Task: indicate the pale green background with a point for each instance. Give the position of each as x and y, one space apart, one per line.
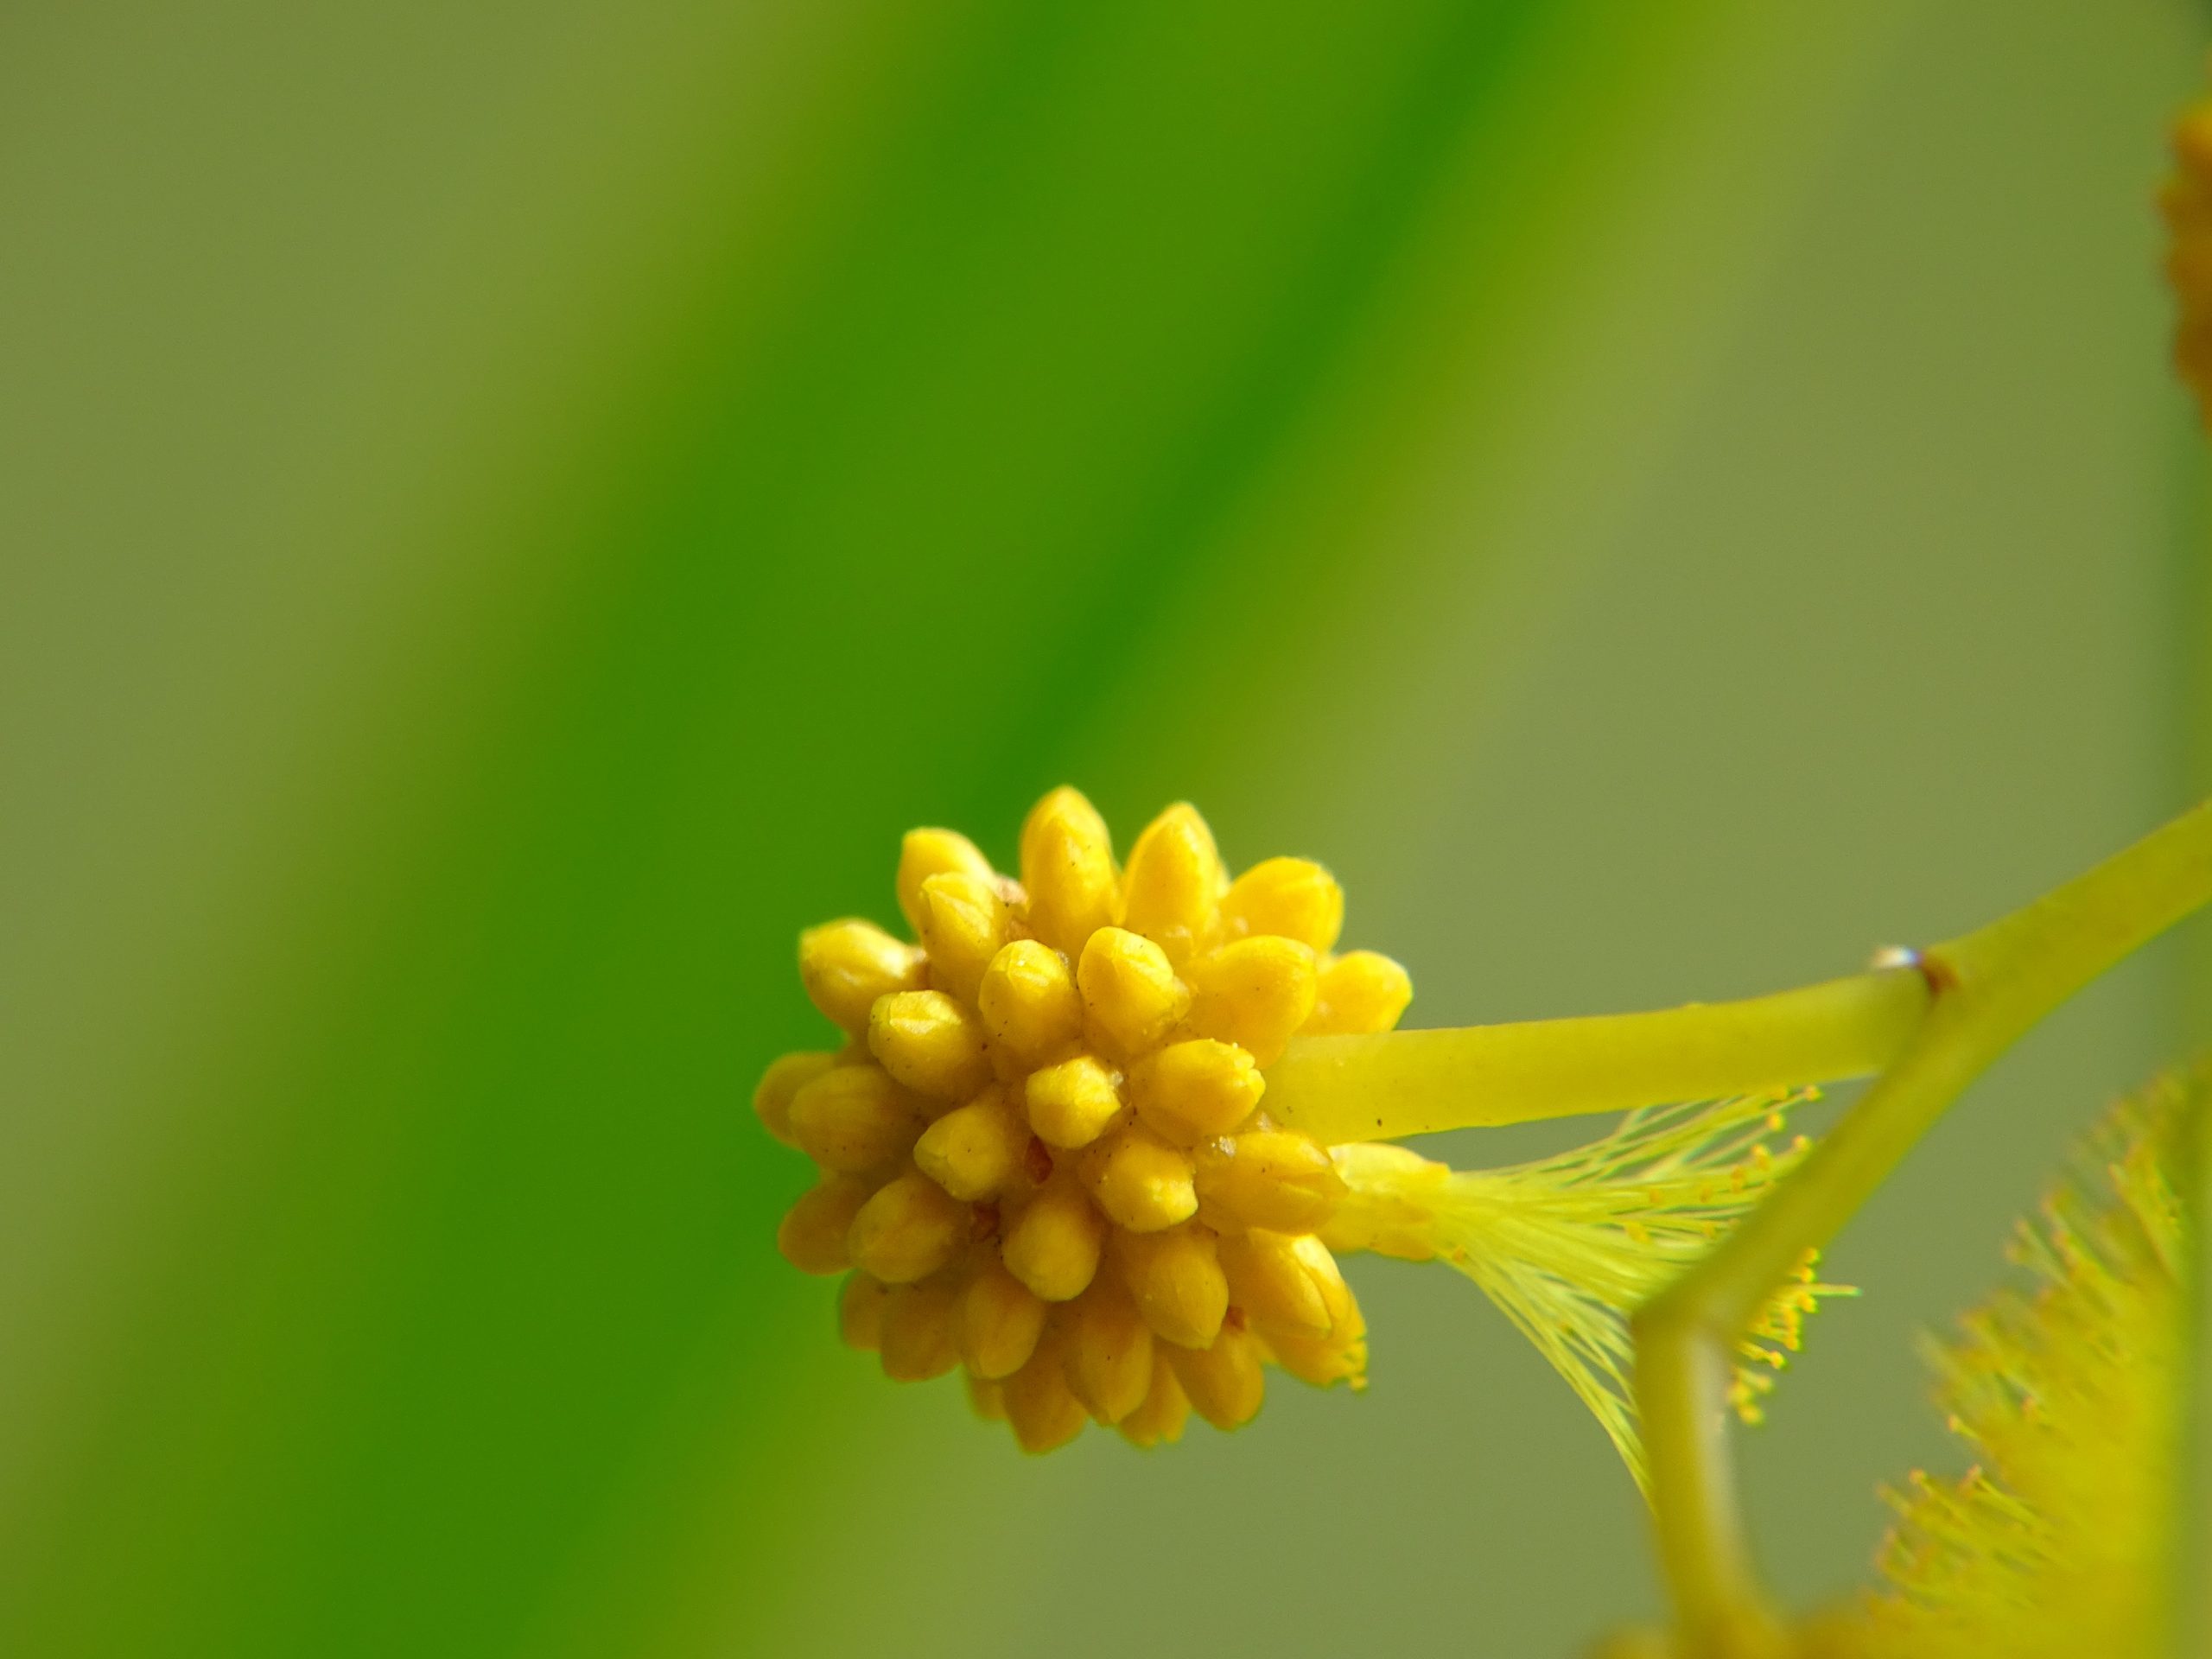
506 511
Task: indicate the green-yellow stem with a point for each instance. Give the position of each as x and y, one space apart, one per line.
1402 1083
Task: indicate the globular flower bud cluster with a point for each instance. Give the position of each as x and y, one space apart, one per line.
1045 1154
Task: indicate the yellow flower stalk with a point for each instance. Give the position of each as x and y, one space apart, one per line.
1049 1154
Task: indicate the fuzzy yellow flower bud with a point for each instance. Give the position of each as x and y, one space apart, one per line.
1139 1180
930 1043
965 921
1053 1246
854 1118
1255 993
975 1150
785 1077
1272 1283
846 965
812 1235
1359 993
1067 869
907 1230
1192 1092
859 1311
1293 898
1159 1419
1223 1380
1172 889
1031 1009
916 1337
1000 1322
1110 1352
1071 1104
925 853
1275 1178
1039 1404
1130 989
1041 1079
1177 1280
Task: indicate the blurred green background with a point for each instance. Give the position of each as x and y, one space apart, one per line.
507 511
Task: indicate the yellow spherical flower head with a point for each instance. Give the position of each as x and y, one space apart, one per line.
1045 1154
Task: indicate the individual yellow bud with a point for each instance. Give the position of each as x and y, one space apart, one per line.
1053 1246
1041 1405
1000 1323
975 1150
908 1230
1342 1354
785 1075
1276 1178
854 1118
925 853
1110 1352
1177 1281
1071 1104
1223 1381
1029 1004
1067 867
1292 898
812 1235
963 924
1274 1286
1139 1180
917 1337
846 965
1173 887
1129 989
1193 1091
1361 992
987 1399
1255 993
859 1311
930 1043
1160 1419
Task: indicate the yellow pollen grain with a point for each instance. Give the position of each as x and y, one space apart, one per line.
1070 1105
1359 993
1000 1322
812 1235
965 923
1192 1092
1139 1180
1276 1178
785 1077
854 1118
1256 993
930 1042
1177 1281
925 853
1130 989
1053 1246
1223 1381
909 1228
974 1151
1269 1279
1159 1419
1292 898
1067 869
1172 890
1110 1352
846 965
916 1334
1030 1008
